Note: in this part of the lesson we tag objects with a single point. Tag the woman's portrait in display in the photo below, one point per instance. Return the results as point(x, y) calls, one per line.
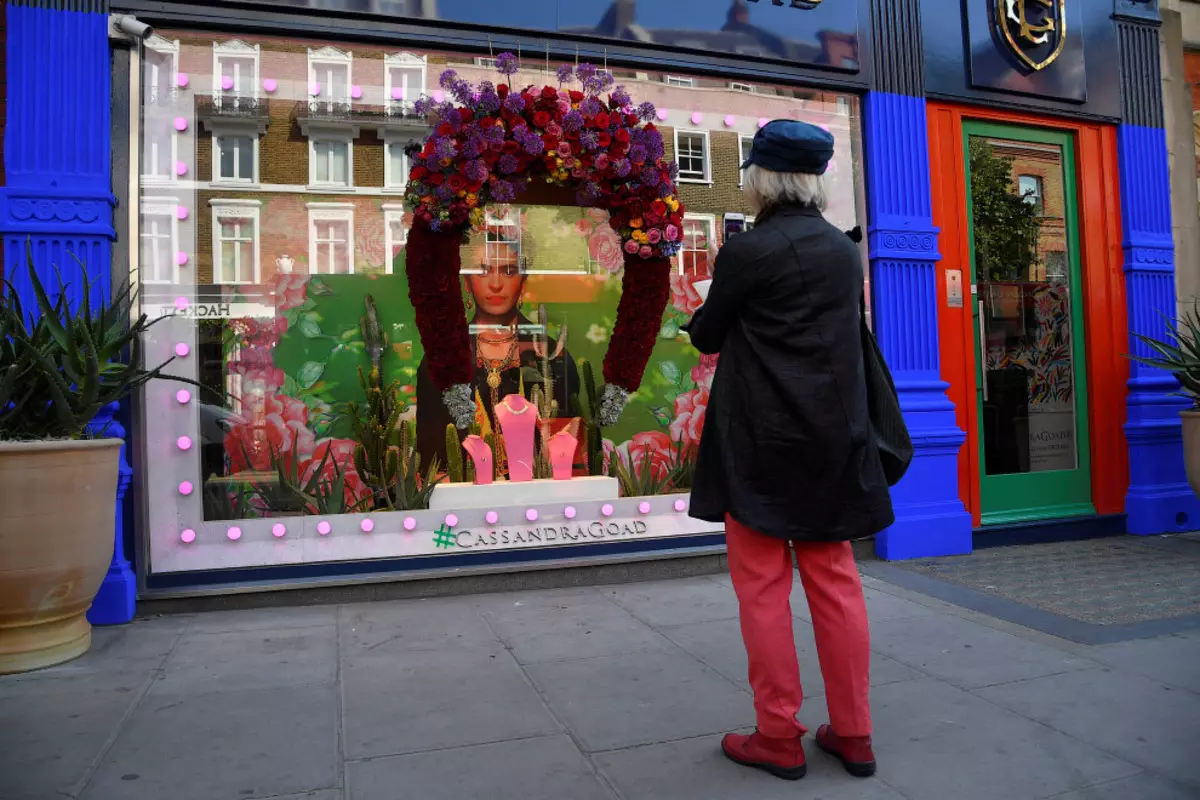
point(509, 345)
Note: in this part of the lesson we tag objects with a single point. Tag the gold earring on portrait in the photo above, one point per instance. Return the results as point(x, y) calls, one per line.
point(468, 302)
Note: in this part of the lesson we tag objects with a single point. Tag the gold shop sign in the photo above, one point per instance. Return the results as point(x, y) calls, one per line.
point(1034, 30)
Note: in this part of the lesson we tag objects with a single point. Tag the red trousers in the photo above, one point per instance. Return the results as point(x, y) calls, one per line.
point(761, 567)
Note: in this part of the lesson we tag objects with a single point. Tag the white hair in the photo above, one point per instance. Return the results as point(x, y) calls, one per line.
point(765, 188)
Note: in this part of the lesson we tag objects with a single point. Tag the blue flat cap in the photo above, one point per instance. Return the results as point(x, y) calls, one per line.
point(786, 145)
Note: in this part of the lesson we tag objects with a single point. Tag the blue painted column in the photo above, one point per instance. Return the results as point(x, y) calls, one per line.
point(58, 202)
point(930, 517)
point(1159, 499)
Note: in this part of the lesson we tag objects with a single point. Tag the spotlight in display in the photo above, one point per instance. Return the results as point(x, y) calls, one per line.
point(324, 528)
point(730, 120)
point(270, 85)
point(184, 443)
point(569, 512)
point(606, 510)
point(185, 488)
point(182, 303)
point(183, 397)
point(644, 507)
point(181, 213)
point(491, 517)
point(181, 168)
point(278, 530)
point(181, 124)
point(697, 117)
point(367, 525)
point(182, 80)
point(531, 514)
point(451, 520)
point(187, 535)
point(356, 92)
point(181, 258)
point(680, 505)
point(410, 524)
point(182, 350)
point(234, 533)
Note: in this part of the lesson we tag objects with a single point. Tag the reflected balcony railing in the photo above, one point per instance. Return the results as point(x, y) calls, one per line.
point(231, 104)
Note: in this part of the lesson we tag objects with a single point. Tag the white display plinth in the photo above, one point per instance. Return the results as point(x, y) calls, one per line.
point(454, 496)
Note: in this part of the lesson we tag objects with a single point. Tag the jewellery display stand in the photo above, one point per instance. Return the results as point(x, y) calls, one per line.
point(518, 419)
point(561, 447)
point(502, 494)
point(481, 457)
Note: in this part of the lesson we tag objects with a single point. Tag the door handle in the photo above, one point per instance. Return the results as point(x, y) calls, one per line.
point(982, 352)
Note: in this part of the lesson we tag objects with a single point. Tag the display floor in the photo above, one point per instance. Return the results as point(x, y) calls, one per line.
point(605, 693)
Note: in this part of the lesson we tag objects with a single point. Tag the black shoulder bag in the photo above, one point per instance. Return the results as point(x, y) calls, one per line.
point(883, 404)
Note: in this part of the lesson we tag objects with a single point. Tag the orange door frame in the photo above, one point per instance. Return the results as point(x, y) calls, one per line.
point(1103, 292)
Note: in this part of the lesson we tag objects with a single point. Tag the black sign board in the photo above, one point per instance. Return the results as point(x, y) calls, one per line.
point(1030, 47)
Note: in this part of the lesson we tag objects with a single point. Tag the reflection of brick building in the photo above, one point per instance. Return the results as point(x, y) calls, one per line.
point(1037, 172)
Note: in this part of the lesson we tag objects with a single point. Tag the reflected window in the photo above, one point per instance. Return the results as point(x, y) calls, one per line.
point(396, 167)
point(159, 147)
point(159, 236)
point(330, 162)
point(741, 87)
point(404, 82)
point(693, 257)
point(1030, 187)
point(235, 73)
point(396, 233)
point(331, 238)
point(235, 241)
point(329, 77)
point(691, 152)
point(746, 145)
point(236, 157)
point(676, 80)
point(502, 245)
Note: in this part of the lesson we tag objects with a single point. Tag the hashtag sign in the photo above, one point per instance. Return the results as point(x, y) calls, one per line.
point(443, 537)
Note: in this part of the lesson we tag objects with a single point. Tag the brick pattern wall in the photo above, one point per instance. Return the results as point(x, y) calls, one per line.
point(1049, 169)
point(724, 194)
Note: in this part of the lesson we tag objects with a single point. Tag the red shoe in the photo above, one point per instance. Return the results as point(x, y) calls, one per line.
point(783, 758)
point(854, 752)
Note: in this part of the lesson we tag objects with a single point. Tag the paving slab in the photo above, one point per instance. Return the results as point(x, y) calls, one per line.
point(641, 698)
point(250, 659)
point(433, 699)
point(240, 745)
point(411, 625)
point(881, 606)
point(573, 626)
point(1173, 659)
point(53, 731)
point(1143, 786)
point(547, 768)
point(933, 740)
point(1149, 723)
point(720, 646)
point(968, 654)
point(676, 602)
point(264, 619)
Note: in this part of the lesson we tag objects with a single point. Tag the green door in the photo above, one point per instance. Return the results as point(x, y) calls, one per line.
point(1031, 387)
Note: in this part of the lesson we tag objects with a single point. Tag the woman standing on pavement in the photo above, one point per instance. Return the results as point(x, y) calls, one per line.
point(787, 458)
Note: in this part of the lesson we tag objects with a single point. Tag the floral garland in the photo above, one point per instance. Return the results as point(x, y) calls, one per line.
point(489, 142)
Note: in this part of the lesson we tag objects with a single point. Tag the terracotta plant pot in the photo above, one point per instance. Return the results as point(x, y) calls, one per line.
point(57, 501)
point(1191, 447)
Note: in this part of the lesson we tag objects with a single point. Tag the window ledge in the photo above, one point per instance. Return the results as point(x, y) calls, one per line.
point(231, 184)
point(696, 181)
point(330, 188)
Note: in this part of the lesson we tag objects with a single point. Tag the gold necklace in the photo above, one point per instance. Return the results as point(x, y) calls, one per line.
point(513, 411)
point(494, 367)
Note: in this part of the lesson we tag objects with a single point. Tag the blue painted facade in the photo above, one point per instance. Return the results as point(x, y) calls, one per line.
point(59, 203)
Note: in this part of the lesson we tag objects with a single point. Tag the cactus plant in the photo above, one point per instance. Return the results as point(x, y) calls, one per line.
point(595, 433)
point(454, 456)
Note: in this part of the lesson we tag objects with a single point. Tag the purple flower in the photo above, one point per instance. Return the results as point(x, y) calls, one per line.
point(654, 146)
point(514, 103)
point(585, 72)
point(621, 166)
point(507, 64)
point(589, 140)
point(673, 170)
point(592, 190)
point(533, 145)
point(598, 82)
point(637, 153)
point(503, 192)
point(565, 73)
point(666, 190)
point(494, 134)
point(444, 192)
point(590, 107)
point(572, 121)
point(454, 117)
point(447, 78)
point(620, 97)
point(474, 146)
point(445, 147)
point(462, 92)
point(646, 111)
point(509, 164)
point(423, 106)
point(651, 177)
point(477, 171)
point(489, 101)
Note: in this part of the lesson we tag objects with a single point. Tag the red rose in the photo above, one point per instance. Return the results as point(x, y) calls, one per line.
point(437, 178)
point(631, 120)
point(487, 122)
point(549, 91)
point(602, 119)
point(650, 127)
point(341, 458)
point(279, 424)
point(550, 142)
point(576, 96)
point(622, 135)
point(502, 90)
point(510, 147)
point(444, 129)
point(551, 164)
point(467, 114)
point(604, 139)
point(458, 182)
point(649, 448)
point(418, 173)
point(474, 186)
point(541, 119)
point(689, 418)
point(491, 156)
point(658, 207)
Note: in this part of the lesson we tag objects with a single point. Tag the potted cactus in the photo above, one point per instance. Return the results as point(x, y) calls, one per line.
point(1179, 355)
point(59, 366)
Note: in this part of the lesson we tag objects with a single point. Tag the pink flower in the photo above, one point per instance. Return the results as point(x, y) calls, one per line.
point(609, 449)
point(689, 417)
point(570, 163)
point(672, 233)
point(341, 454)
point(653, 445)
point(555, 130)
point(631, 247)
point(646, 251)
point(654, 235)
point(289, 289)
point(578, 172)
point(604, 246)
point(596, 215)
point(602, 161)
point(684, 296)
point(583, 227)
point(563, 106)
point(279, 424)
point(703, 372)
point(564, 149)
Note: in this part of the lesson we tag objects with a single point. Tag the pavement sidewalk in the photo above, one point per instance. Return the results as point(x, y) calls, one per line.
point(586, 694)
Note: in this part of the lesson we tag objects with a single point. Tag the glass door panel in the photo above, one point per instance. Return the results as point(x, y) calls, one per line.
point(1031, 387)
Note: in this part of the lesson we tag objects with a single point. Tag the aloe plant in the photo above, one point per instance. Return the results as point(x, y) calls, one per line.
point(591, 419)
point(1181, 359)
point(59, 365)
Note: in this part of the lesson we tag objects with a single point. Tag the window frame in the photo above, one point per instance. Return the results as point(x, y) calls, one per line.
point(679, 81)
point(220, 131)
point(742, 86)
point(1038, 198)
point(233, 208)
point(330, 56)
point(403, 60)
point(707, 155)
point(390, 184)
point(159, 208)
point(742, 154)
point(709, 220)
point(337, 136)
point(164, 47)
point(393, 213)
point(490, 220)
point(330, 212)
point(235, 49)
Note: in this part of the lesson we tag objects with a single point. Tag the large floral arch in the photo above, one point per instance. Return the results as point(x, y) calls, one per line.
point(491, 143)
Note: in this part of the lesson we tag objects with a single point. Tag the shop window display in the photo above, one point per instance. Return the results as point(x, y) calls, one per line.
point(291, 302)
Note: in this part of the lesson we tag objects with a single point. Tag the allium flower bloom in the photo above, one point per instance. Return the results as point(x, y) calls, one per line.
point(447, 78)
point(622, 167)
point(590, 106)
point(446, 147)
point(565, 73)
point(572, 121)
point(646, 111)
point(621, 97)
point(637, 153)
point(509, 164)
point(507, 64)
point(503, 192)
point(514, 103)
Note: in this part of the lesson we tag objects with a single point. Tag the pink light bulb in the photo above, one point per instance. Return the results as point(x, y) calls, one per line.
point(324, 528)
point(183, 397)
point(182, 80)
point(181, 213)
point(491, 517)
point(398, 93)
point(569, 512)
point(279, 530)
point(181, 168)
point(531, 514)
point(730, 120)
point(606, 509)
point(181, 258)
point(187, 535)
point(367, 525)
point(182, 350)
point(644, 507)
point(226, 82)
point(356, 92)
point(184, 443)
point(314, 89)
point(762, 122)
point(662, 114)
point(185, 488)
point(234, 533)
point(439, 96)
point(451, 520)
point(270, 85)
point(680, 505)
point(410, 524)
point(697, 117)
point(182, 303)
point(181, 124)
